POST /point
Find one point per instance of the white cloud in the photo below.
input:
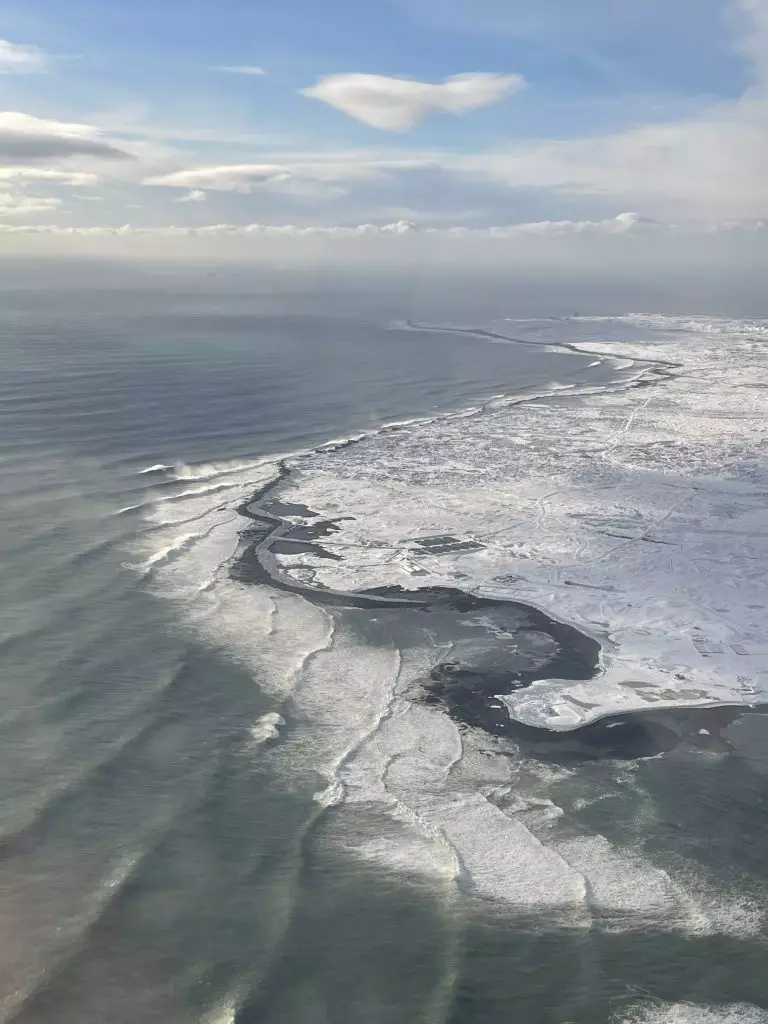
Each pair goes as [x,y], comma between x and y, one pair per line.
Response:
[31,140]
[296,174]
[23,174]
[243,69]
[241,178]
[195,196]
[398,104]
[21,205]
[11,120]
[715,164]
[18,59]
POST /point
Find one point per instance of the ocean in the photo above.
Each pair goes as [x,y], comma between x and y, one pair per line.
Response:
[359,664]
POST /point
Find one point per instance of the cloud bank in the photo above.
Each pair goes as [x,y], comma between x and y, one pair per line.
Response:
[399,104]
[625,224]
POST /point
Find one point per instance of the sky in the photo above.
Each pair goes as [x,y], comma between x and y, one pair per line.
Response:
[469,125]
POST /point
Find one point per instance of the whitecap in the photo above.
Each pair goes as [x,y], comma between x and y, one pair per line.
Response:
[266,728]
[658,1012]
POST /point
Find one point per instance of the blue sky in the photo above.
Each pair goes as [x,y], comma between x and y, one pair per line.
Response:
[432,114]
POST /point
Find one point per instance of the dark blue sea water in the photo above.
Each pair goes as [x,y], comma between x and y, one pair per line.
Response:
[154,864]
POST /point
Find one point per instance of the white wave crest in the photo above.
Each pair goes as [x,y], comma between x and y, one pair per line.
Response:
[209,470]
[176,547]
[205,470]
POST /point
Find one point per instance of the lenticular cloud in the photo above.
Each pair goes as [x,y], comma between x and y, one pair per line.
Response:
[398,104]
